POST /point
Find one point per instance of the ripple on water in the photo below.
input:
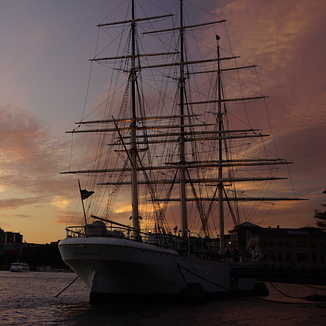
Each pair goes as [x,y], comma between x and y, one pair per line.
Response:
[29,299]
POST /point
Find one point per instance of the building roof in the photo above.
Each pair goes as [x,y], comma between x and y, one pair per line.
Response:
[246,225]
[253,228]
[293,231]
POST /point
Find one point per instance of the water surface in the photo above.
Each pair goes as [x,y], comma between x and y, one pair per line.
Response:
[29,299]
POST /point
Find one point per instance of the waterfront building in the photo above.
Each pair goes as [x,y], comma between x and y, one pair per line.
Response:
[283,248]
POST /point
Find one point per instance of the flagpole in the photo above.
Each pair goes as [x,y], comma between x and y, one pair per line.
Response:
[82,201]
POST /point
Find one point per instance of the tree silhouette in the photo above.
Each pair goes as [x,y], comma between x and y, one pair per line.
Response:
[321,216]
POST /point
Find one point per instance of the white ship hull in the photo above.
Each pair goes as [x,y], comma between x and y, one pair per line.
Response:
[116,269]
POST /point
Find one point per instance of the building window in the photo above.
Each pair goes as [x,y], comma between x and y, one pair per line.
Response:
[302,256]
[280,256]
[272,256]
[265,257]
[288,257]
[314,257]
[302,244]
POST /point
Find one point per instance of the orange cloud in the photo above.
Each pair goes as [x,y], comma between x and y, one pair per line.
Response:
[68,218]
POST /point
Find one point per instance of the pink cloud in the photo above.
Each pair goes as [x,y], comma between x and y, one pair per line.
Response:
[17,202]
[31,159]
[287,41]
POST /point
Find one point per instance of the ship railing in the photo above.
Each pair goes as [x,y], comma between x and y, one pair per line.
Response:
[75,231]
[193,245]
[101,230]
[189,246]
[90,230]
[161,239]
[201,242]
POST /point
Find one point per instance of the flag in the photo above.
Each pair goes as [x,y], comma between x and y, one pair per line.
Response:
[85,193]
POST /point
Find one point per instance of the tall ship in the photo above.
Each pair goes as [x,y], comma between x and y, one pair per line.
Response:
[169,161]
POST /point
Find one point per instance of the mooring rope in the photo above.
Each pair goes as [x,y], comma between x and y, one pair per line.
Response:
[286,295]
[67,287]
[312,299]
[221,286]
[312,287]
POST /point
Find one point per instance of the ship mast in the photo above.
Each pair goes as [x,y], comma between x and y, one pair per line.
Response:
[183,200]
[133,126]
[220,148]
[130,139]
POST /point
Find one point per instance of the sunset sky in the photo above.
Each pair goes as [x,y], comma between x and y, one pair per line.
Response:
[44,62]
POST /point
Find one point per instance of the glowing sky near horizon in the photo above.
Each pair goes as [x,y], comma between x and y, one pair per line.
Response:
[45,48]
